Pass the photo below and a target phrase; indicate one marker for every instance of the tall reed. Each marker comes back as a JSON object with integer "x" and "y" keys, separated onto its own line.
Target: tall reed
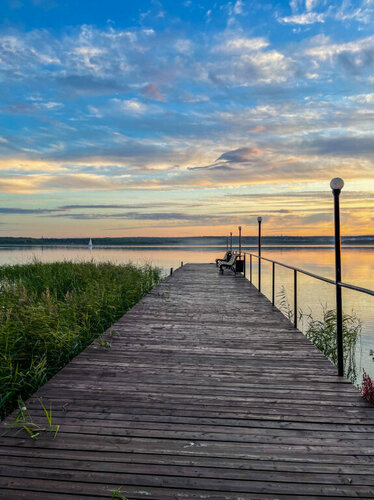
{"x": 51, "y": 312}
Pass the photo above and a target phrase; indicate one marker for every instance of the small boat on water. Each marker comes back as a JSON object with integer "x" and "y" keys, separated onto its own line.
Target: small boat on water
{"x": 90, "y": 244}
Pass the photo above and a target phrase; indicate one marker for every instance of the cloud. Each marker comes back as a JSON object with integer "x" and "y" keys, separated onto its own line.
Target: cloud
{"x": 302, "y": 19}
{"x": 253, "y": 68}
{"x": 152, "y": 92}
{"x": 27, "y": 211}
{"x": 363, "y": 98}
{"x": 184, "y": 46}
{"x": 92, "y": 85}
{"x": 240, "y": 45}
{"x": 345, "y": 146}
{"x": 149, "y": 216}
{"x": 241, "y": 155}
{"x": 132, "y": 106}
{"x": 356, "y": 54}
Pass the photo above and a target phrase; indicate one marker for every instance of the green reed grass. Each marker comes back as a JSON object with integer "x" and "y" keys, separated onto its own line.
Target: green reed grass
{"x": 322, "y": 333}
{"x": 51, "y": 312}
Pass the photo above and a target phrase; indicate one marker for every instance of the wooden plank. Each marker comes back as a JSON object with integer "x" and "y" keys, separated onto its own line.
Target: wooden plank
{"x": 206, "y": 392}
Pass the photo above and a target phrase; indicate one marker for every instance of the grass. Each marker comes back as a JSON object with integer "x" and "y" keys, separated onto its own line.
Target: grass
{"x": 117, "y": 494}
{"x": 24, "y": 421}
{"x": 51, "y": 312}
{"x": 322, "y": 333}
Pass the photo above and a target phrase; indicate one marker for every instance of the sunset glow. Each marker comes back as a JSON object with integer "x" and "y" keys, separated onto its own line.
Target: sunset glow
{"x": 163, "y": 118}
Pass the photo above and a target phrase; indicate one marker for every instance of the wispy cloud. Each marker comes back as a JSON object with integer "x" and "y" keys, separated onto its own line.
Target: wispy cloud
{"x": 113, "y": 116}
{"x": 306, "y": 18}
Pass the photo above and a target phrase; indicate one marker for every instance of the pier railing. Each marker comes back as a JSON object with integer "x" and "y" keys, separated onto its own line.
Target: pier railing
{"x": 296, "y": 271}
{"x": 336, "y": 186}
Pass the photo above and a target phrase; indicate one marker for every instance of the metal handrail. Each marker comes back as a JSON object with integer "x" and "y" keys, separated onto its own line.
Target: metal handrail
{"x": 356, "y": 288}
{"x": 302, "y": 271}
{"x": 296, "y": 270}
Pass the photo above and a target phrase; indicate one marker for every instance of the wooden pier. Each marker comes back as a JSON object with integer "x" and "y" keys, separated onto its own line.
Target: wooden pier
{"x": 206, "y": 392}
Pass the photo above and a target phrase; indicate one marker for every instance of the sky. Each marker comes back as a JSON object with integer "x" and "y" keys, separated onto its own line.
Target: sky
{"x": 180, "y": 118}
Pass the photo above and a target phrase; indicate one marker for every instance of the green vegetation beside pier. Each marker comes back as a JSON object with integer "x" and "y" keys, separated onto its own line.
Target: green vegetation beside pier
{"x": 51, "y": 312}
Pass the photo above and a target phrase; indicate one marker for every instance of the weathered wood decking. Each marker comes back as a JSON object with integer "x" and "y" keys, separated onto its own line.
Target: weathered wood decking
{"x": 206, "y": 392}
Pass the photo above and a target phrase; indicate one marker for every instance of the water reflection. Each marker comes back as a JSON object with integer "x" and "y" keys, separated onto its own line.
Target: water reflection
{"x": 314, "y": 297}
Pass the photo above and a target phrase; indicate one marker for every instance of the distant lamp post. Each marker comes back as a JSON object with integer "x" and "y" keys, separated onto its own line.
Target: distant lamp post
{"x": 240, "y": 240}
{"x": 259, "y": 220}
{"x": 231, "y": 241}
{"x": 337, "y": 185}
{"x": 227, "y": 243}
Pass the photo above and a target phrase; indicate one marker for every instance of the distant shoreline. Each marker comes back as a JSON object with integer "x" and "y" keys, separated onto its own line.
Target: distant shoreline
{"x": 179, "y": 242}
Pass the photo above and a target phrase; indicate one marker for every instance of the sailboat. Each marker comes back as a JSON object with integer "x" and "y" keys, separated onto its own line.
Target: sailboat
{"x": 90, "y": 244}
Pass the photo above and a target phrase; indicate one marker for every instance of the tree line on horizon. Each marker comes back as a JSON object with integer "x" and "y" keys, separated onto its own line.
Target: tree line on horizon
{"x": 140, "y": 240}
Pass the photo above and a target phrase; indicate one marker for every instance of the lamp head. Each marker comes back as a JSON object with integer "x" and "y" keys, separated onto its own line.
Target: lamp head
{"x": 259, "y": 219}
{"x": 337, "y": 183}
{"x": 240, "y": 228}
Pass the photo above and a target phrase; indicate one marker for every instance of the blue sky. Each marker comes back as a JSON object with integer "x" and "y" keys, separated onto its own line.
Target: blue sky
{"x": 163, "y": 118}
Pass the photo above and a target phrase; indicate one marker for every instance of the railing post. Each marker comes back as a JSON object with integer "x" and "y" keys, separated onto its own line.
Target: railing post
{"x": 295, "y": 298}
{"x": 227, "y": 243}
{"x": 171, "y": 271}
{"x": 259, "y": 220}
{"x": 240, "y": 240}
{"x": 273, "y": 285}
{"x": 231, "y": 241}
{"x": 182, "y": 263}
{"x": 244, "y": 265}
{"x": 336, "y": 185}
{"x": 250, "y": 268}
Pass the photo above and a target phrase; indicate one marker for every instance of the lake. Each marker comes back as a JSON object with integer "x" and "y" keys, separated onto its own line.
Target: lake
{"x": 313, "y": 296}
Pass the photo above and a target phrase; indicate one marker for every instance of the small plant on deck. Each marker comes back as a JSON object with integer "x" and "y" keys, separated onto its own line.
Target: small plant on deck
{"x": 117, "y": 494}
{"x": 24, "y": 421}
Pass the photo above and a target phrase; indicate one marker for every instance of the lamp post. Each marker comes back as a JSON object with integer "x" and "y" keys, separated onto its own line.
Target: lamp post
{"x": 336, "y": 185}
{"x": 240, "y": 240}
{"x": 259, "y": 220}
{"x": 227, "y": 243}
{"x": 231, "y": 241}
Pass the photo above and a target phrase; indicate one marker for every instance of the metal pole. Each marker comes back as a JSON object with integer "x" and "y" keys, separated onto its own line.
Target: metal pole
{"x": 259, "y": 220}
{"x": 244, "y": 266}
{"x": 182, "y": 263}
{"x": 171, "y": 271}
{"x": 231, "y": 241}
{"x": 240, "y": 240}
{"x": 273, "y": 285}
{"x": 295, "y": 298}
{"x": 250, "y": 268}
{"x": 227, "y": 243}
{"x": 336, "y": 185}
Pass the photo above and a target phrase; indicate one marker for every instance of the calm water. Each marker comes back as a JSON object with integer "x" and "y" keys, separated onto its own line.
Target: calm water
{"x": 313, "y": 295}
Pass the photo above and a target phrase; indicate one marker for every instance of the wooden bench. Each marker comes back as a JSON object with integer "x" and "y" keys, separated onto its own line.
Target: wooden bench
{"x": 230, "y": 264}
{"x": 226, "y": 258}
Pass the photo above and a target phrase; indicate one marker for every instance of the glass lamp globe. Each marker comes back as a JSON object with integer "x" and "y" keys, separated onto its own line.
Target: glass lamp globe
{"x": 337, "y": 183}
